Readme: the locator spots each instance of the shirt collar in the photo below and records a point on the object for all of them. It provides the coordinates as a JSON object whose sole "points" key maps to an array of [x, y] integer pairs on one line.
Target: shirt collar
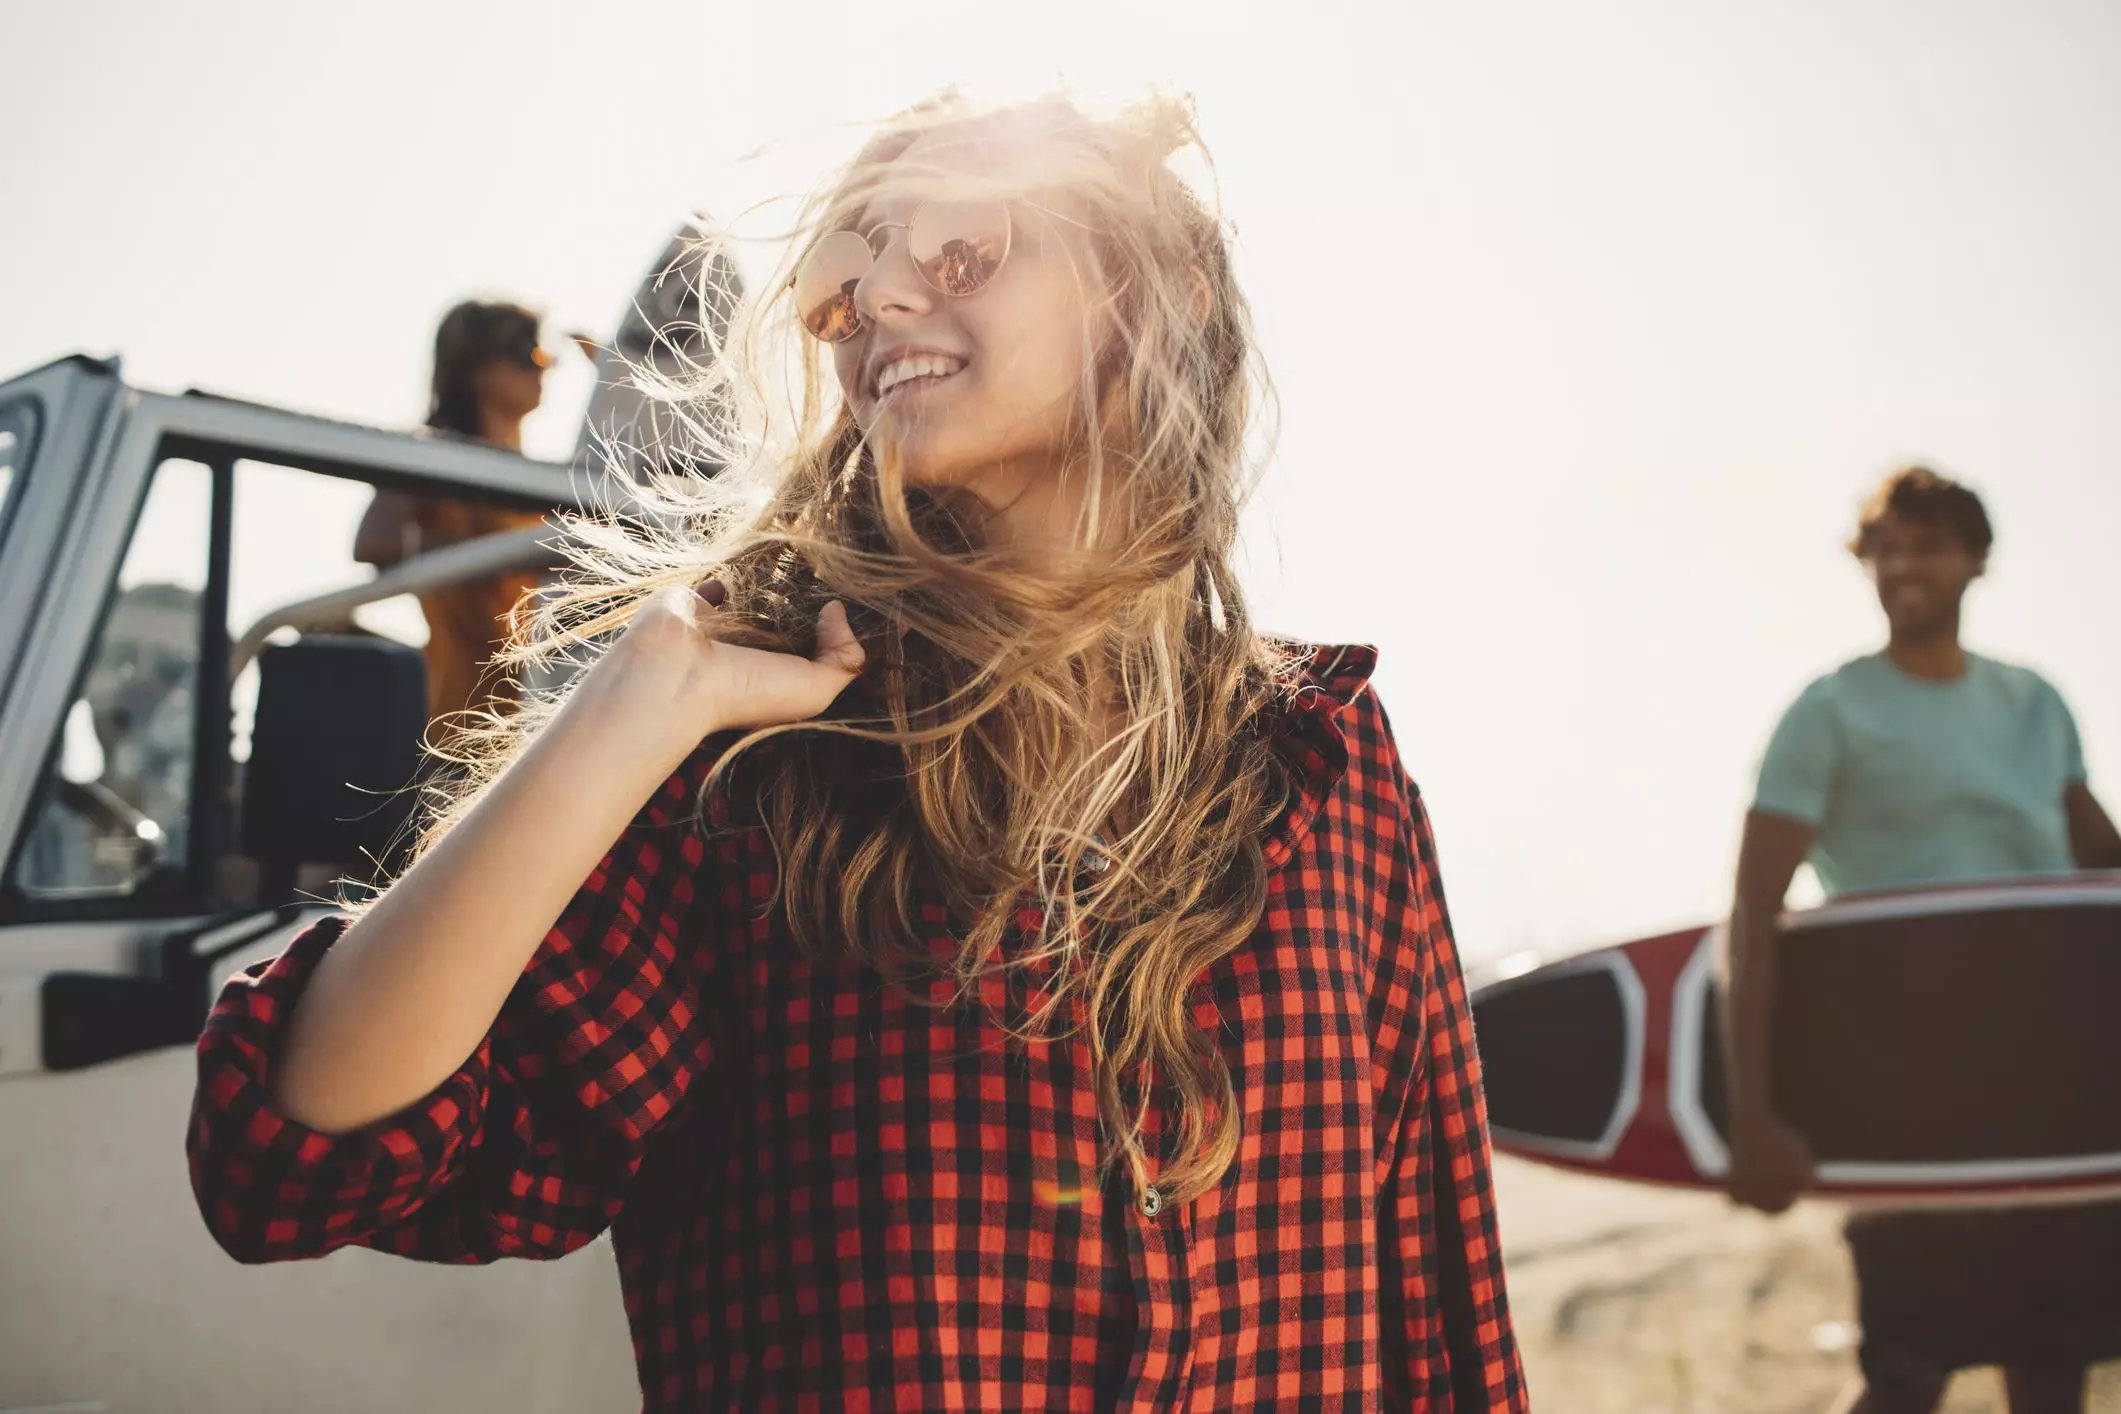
{"points": [[1326, 680]]}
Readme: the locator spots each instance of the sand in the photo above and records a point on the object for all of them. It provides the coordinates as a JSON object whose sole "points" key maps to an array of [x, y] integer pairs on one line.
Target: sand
{"points": [[1651, 1301]]}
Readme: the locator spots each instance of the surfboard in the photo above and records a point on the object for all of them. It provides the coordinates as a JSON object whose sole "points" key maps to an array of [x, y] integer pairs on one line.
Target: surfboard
{"points": [[1956, 1045], [678, 314]]}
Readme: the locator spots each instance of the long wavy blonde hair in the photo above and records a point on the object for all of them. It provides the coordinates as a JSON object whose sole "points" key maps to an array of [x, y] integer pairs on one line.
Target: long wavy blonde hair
{"points": [[1092, 734]]}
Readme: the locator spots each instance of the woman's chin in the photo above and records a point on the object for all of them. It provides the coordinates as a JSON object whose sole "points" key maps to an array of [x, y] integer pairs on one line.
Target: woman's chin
{"points": [[929, 467]]}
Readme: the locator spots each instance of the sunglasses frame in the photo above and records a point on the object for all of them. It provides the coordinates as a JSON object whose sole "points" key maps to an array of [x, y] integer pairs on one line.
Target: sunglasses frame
{"points": [[868, 240]]}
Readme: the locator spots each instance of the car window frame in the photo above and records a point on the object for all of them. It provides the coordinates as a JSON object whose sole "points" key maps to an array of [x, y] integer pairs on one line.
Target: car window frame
{"points": [[18, 906], [24, 416], [208, 836]]}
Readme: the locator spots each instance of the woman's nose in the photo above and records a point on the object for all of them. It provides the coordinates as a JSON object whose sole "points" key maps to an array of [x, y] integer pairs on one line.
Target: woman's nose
{"points": [[893, 286]]}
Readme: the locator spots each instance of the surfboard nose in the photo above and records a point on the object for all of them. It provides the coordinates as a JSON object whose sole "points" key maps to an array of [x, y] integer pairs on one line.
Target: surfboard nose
{"points": [[1560, 1055]]}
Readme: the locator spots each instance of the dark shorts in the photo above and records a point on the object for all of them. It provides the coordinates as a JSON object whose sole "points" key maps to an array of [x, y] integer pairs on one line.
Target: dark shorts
{"points": [[1940, 1291]]}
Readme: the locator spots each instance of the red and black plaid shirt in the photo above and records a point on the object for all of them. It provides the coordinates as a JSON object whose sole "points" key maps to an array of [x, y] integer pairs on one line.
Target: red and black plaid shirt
{"points": [[825, 1194]]}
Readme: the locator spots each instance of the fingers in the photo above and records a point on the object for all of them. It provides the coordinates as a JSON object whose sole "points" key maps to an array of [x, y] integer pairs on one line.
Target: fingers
{"points": [[837, 647], [1763, 1200], [672, 601]]}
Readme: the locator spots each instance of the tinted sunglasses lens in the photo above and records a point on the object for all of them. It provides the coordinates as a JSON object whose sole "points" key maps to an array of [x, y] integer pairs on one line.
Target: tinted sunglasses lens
{"points": [[824, 286], [959, 245]]}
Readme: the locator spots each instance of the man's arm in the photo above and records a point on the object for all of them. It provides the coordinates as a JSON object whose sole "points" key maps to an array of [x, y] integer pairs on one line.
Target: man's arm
{"points": [[1770, 1162], [2093, 841]]}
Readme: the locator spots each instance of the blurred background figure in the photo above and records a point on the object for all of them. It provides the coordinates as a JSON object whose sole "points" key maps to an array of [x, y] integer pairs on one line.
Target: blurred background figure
{"points": [[653, 399], [1921, 764], [489, 375]]}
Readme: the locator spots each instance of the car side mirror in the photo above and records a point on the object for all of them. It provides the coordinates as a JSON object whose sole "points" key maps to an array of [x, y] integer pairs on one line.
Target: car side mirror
{"points": [[335, 757]]}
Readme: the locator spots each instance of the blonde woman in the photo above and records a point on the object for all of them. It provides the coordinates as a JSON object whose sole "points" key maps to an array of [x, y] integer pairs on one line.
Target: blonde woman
{"points": [[960, 959]]}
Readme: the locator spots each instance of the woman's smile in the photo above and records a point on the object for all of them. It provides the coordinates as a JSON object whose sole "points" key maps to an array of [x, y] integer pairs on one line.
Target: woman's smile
{"points": [[911, 373]]}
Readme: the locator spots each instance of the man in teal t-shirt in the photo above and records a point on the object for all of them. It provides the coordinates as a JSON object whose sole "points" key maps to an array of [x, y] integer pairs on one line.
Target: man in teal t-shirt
{"points": [[1926, 764], [1906, 780]]}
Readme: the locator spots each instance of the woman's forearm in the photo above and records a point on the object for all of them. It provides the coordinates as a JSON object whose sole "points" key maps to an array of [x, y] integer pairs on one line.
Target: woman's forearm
{"points": [[406, 994]]}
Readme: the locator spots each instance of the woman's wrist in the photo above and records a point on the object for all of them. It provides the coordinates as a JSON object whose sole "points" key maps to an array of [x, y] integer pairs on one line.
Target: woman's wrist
{"points": [[631, 726], [651, 691]]}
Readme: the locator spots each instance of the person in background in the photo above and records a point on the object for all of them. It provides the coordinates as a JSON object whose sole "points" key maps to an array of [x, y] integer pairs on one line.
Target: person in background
{"points": [[1921, 764], [489, 375]]}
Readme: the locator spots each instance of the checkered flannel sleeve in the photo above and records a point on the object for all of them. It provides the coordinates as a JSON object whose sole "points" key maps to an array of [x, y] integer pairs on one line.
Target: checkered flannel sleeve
{"points": [[1446, 1320], [528, 1149]]}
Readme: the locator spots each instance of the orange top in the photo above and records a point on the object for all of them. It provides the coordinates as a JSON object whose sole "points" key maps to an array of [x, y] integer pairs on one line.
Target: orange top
{"points": [[467, 622]]}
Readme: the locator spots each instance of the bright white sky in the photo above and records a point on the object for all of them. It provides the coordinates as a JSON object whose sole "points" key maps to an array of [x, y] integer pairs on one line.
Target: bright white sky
{"points": [[1592, 323]]}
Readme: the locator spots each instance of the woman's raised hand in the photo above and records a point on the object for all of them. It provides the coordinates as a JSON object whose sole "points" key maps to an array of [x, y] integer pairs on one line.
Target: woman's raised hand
{"points": [[669, 662]]}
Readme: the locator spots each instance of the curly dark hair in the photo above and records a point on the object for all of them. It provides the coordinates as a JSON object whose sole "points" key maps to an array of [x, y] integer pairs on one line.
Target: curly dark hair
{"points": [[1920, 496]]}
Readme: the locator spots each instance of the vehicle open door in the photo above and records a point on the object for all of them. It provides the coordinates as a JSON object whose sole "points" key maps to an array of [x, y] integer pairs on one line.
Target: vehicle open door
{"points": [[210, 716]]}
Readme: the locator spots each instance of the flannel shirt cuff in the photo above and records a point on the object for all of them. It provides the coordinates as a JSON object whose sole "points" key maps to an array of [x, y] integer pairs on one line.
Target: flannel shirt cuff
{"points": [[270, 1187]]}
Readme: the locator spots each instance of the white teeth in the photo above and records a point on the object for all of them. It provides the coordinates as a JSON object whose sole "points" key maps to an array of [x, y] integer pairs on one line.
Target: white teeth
{"points": [[902, 370]]}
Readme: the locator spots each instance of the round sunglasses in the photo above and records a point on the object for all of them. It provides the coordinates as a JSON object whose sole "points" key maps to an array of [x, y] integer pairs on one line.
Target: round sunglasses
{"points": [[957, 246]]}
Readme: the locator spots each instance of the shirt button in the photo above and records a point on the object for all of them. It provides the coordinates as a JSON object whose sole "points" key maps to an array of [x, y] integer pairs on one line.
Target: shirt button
{"points": [[1152, 1202]]}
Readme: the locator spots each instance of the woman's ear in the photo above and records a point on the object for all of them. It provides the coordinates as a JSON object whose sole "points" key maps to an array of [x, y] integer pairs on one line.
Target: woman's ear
{"points": [[1203, 296]]}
